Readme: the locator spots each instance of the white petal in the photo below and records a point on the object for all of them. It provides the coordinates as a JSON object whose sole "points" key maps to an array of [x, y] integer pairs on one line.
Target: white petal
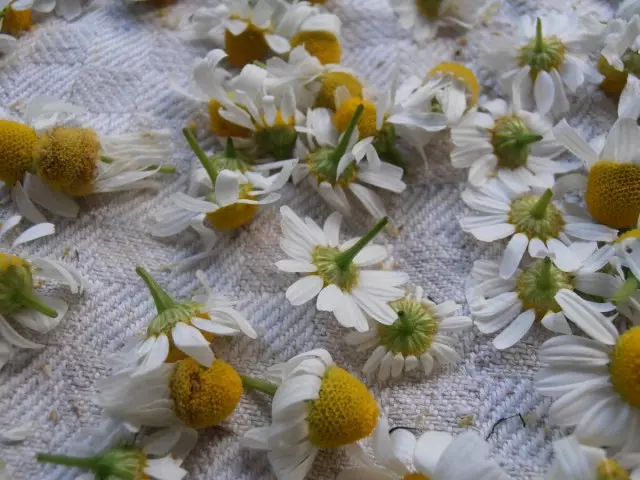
{"points": [[492, 233], [544, 92], [349, 314], [295, 266], [191, 341], [623, 141], [14, 338], [564, 258], [227, 188], [513, 255], [573, 142], [557, 322], [514, 332], [304, 290], [370, 255], [156, 356], [17, 434], [277, 43], [591, 322], [429, 449], [332, 228], [329, 298]]}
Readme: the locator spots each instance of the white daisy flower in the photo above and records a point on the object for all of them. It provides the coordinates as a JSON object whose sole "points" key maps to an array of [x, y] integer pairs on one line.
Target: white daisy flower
{"points": [[457, 96], [573, 461], [333, 271], [332, 164], [21, 303], [547, 55], [433, 456], [612, 186], [539, 292], [426, 17], [595, 385], [316, 405], [181, 329], [418, 336], [628, 9], [533, 221], [158, 457], [504, 141]]}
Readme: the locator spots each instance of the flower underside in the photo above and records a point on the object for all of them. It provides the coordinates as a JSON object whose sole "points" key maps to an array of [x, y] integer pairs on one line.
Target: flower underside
{"points": [[542, 53], [277, 140], [511, 140], [324, 258], [536, 216], [413, 331], [538, 285], [169, 318]]}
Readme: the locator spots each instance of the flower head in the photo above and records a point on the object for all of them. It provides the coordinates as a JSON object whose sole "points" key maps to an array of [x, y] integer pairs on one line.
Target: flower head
{"points": [[433, 456], [320, 36], [457, 96], [313, 395], [333, 271], [416, 337]]}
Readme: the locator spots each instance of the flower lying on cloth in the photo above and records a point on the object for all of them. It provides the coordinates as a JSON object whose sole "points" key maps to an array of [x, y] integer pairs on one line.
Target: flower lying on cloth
{"points": [[433, 456], [19, 300], [334, 271], [416, 337], [316, 405], [158, 457], [185, 329], [457, 96], [540, 292]]}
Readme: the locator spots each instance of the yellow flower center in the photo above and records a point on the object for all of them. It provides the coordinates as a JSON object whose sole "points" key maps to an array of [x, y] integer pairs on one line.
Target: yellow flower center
{"points": [[235, 215], [635, 233], [247, 47], [613, 193], [624, 368], [16, 21], [329, 81], [367, 122], [66, 159], [223, 127], [344, 412], [204, 397], [416, 476], [429, 9], [609, 469], [533, 221], [538, 285], [321, 44], [462, 73], [413, 331], [17, 145]]}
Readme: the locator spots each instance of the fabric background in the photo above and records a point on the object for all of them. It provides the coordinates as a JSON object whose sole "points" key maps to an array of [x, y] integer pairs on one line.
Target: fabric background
{"points": [[115, 62]]}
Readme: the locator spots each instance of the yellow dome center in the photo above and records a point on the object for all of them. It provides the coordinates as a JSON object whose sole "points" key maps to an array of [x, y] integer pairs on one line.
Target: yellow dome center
{"points": [[204, 397], [329, 81], [235, 215], [624, 368], [223, 127], [461, 73], [344, 413], [17, 145], [613, 193], [367, 122], [247, 47], [66, 159], [609, 469], [16, 21], [321, 44], [416, 476]]}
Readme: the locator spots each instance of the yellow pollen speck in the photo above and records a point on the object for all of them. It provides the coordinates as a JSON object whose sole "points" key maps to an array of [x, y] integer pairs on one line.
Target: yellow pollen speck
{"points": [[204, 397], [367, 122], [624, 368], [344, 412], [609, 469], [416, 476], [462, 73], [323, 45], [328, 84], [17, 145], [613, 193], [247, 47], [66, 159], [235, 215], [223, 127], [16, 22]]}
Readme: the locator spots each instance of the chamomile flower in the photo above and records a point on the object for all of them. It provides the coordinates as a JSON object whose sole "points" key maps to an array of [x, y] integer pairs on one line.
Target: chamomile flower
{"points": [[595, 386], [573, 461], [316, 405], [20, 301], [181, 393], [416, 337], [184, 329], [332, 164], [547, 55], [334, 271], [533, 221], [158, 457], [503, 141], [612, 194], [426, 17], [433, 456], [457, 96]]}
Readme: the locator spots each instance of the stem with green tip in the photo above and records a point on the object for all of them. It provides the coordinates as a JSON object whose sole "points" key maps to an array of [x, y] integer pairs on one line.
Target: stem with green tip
{"points": [[80, 462], [525, 139], [230, 149], [28, 298], [541, 205], [545, 280], [161, 298], [345, 258], [344, 142], [539, 39], [204, 160], [163, 168], [628, 288], [259, 385]]}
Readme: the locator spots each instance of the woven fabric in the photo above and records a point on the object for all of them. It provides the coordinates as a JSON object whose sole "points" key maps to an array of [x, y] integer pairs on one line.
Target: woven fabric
{"points": [[115, 61]]}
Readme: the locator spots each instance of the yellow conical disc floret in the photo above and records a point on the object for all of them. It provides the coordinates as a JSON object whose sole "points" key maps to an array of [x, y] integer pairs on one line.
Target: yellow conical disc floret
{"points": [[66, 159], [624, 368], [204, 397], [247, 47], [235, 215], [609, 469], [462, 73], [614, 80], [367, 122], [223, 127], [17, 145], [15, 22], [613, 193], [321, 44], [344, 412]]}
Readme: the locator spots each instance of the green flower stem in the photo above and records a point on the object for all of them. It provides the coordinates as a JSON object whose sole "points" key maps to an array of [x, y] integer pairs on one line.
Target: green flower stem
{"points": [[204, 160], [540, 208], [161, 298], [545, 280], [27, 298], [230, 149], [259, 385], [68, 461], [342, 146], [344, 259], [628, 288], [524, 139], [539, 38]]}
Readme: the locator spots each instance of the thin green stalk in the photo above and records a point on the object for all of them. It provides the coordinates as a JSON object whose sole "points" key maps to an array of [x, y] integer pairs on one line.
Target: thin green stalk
{"points": [[80, 462], [545, 280], [230, 149], [344, 142], [539, 38], [197, 149], [345, 258], [259, 385], [527, 139], [161, 298], [540, 208], [27, 298], [163, 168]]}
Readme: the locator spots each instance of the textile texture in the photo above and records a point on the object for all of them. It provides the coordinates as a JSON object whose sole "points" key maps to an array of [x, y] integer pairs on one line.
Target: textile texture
{"points": [[115, 62]]}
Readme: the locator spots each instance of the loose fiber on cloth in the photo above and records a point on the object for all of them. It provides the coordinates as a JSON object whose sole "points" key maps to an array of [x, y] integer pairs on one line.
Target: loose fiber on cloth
{"points": [[115, 62]]}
